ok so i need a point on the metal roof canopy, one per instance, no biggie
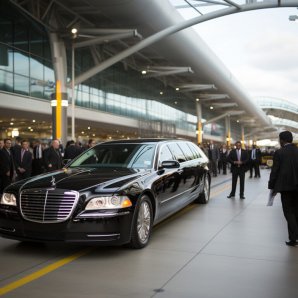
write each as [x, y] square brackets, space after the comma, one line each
[98, 23]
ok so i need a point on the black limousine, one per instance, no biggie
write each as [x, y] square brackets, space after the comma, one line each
[111, 194]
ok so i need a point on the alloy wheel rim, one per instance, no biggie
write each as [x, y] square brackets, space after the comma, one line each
[144, 222]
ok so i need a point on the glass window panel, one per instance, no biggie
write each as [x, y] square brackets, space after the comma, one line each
[36, 69]
[21, 64]
[186, 150]
[6, 58]
[21, 84]
[6, 81]
[21, 40]
[49, 79]
[177, 152]
[36, 43]
[36, 88]
[165, 154]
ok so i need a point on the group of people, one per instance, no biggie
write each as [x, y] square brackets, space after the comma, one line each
[19, 161]
[283, 178]
[220, 159]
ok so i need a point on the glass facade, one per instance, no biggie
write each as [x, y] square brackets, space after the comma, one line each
[26, 68]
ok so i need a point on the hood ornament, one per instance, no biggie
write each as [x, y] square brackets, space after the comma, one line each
[53, 181]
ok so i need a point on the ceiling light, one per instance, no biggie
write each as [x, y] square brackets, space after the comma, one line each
[211, 108]
[33, 120]
[197, 99]
[144, 72]
[161, 93]
[74, 30]
[177, 89]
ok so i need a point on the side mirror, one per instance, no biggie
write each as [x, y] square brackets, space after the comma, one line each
[170, 164]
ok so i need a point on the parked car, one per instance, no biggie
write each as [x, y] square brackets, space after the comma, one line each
[112, 193]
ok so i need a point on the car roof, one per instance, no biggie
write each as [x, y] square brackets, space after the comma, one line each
[142, 140]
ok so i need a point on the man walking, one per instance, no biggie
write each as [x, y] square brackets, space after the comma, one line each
[284, 179]
[238, 159]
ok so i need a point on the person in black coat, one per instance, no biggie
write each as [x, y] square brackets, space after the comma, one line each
[71, 151]
[238, 158]
[284, 179]
[255, 157]
[23, 161]
[38, 159]
[7, 169]
[222, 163]
[53, 157]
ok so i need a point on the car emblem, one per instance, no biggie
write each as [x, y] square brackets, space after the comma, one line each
[53, 181]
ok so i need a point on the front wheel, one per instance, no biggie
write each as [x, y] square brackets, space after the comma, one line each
[205, 194]
[142, 223]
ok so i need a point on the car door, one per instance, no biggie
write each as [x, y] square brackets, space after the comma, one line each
[165, 186]
[173, 181]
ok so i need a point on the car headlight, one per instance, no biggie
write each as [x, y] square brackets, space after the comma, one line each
[109, 202]
[8, 199]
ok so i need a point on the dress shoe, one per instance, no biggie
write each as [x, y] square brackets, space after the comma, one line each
[292, 243]
[242, 197]
[231, 197]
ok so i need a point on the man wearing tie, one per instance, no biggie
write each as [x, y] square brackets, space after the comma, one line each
[23, 161]
[238, 159]
[254, 161]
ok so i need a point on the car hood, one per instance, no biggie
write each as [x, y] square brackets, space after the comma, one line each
[81, 179]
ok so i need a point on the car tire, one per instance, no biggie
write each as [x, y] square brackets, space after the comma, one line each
[205, 194]
[142, 224]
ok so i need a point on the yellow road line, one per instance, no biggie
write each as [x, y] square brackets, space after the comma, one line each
[35, 275]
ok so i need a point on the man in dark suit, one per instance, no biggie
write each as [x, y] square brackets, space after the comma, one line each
[23, 161]
[254, 161]
[7, 169]
[38, 159]
[71, 151]
[213, 155]
[284, 179]
[238, 158]
[53, 157]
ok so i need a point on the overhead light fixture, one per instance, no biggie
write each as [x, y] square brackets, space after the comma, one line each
[74, 31]
[144, 72]
[211, 108]
[197, 99]
[161, 93]
[177, 89]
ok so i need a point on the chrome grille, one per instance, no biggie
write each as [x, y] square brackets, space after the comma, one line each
[47, 205]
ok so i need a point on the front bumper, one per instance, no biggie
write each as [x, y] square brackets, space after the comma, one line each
[103, 228]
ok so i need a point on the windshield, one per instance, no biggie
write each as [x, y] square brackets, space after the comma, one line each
[137, 156]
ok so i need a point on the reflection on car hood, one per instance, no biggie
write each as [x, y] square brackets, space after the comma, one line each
[82, 178]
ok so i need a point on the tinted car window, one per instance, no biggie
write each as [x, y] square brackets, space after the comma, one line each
[165, 154]
[195, 149]
[117, 155]
[186, 150]
[177, 152]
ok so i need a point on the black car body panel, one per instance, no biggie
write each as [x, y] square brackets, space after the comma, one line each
[56, 206]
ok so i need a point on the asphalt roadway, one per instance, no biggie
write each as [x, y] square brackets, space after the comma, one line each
[229, 248]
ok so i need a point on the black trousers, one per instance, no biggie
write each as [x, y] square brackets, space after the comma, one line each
[254, 165]
[238, 172]
[289, 200]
